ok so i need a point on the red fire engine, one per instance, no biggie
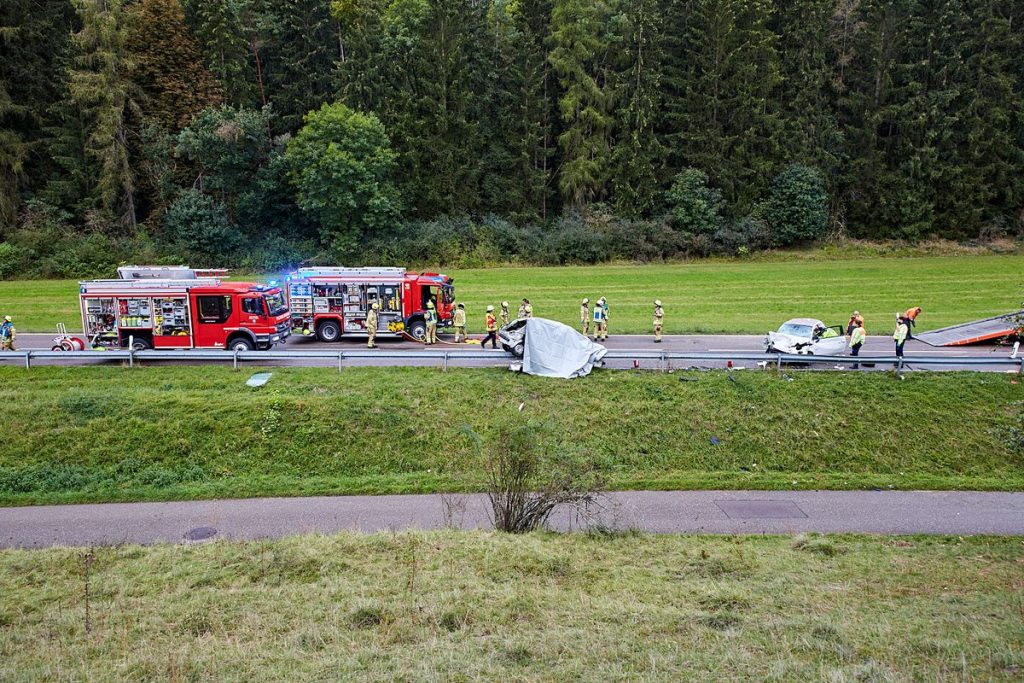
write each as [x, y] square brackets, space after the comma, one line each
[180, 308]
[331, 302]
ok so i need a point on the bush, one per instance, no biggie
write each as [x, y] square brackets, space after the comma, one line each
[14, 261]
[696, 207]
[796, 210]
[741, 236]
[199, 224]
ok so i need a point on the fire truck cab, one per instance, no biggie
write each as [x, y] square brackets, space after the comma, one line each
[332, 302]
[183, 311]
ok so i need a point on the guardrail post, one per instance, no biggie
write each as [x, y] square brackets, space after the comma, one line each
[234, 359]
[341, 354]
[444, 367]
[131, 350]
[28, 360]
[778, 362]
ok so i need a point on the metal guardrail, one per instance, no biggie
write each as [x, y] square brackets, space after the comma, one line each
[664, 358]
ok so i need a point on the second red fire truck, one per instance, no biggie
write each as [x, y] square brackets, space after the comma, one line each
[179, 308]
[332, 302]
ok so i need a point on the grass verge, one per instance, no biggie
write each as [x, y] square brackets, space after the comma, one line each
[479, 607]
[703, 296]
[159, 433]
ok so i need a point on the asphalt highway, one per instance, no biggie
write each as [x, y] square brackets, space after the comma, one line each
[880, 346]
[712, 512]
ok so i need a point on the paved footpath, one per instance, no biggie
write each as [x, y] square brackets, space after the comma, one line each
[720, 512]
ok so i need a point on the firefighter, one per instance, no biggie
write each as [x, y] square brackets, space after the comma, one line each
[901, 334]
[600, 323]
[431, 319]
[525, 310]
[659, 320]
[372, 320]
[857, 338]
[585, 316]
[504, 313]
[459, 321]
[491, 325]
[910, 315]
[7, 334]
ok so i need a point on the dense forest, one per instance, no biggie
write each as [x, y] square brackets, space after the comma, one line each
[264, 133]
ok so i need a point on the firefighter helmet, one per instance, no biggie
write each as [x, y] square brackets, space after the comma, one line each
[490, 309]
[657, 302]
[504, 304]
[375, 306]
[586, 300]
[430, 304]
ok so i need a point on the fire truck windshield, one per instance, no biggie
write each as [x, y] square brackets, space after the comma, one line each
[275, 303]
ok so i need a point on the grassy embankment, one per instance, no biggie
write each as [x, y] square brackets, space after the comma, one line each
[702, 296]
[102, 434]
[483, 607]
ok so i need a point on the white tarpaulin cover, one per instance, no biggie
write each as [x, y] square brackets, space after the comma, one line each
[556, 350]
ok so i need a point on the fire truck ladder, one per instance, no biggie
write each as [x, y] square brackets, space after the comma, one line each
[167, 272]
[114, 286]
[355, 273]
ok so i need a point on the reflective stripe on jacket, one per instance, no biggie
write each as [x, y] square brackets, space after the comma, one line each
[858, 336]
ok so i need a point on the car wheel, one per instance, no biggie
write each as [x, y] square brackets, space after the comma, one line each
[328, 331]
[519, 349]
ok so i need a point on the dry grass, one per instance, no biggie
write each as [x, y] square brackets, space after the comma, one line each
[480, 607]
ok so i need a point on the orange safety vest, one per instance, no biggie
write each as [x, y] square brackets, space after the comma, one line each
[492, 323]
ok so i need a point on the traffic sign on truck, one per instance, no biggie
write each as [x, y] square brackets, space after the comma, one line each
[333, 302]
[185, 310]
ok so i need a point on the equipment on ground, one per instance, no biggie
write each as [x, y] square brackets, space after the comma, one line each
[332, 302]
[151, 312]
[988, 329]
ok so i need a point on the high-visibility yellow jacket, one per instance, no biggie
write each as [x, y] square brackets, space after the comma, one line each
[900, 335]
[459, 318]
[859, 336]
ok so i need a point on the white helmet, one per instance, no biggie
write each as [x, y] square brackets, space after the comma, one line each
[490, 309]
[657, 302]
[586, 300]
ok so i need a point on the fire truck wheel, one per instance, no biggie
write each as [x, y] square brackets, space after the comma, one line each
[139, 344]
[240, 344]
[417, 329]
[328, 331]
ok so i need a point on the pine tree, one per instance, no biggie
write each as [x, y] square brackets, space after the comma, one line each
[721, 107]
[580, 57]
[34, 40]
[294, 50]
[222, 38]
[100, 87]
[168, 69]
[638, 153]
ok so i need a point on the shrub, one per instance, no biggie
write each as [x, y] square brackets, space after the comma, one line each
[796, 209]
[14, 261]
[200, 225]
[741, 236]
[528, 479]
[696, 207]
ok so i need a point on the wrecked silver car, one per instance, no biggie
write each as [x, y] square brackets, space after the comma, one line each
[806, 336]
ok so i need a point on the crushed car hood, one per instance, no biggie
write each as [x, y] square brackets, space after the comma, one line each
[556, 350]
